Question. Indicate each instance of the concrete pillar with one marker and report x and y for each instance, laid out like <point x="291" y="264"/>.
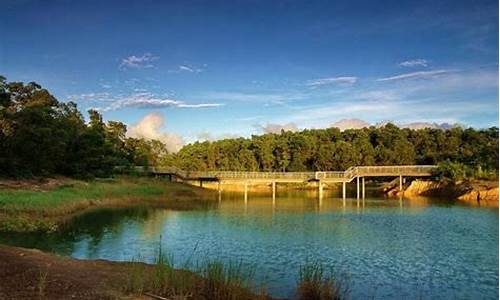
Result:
<point x="357" y="187"/>
<point x="363" y="187"/>
<point x="219" y="190"/>
<point x="246" y="192"/>
<point x="274" y="190"/>
<point x="201" y="183"/>
<point x="343" y="193"/>
<point x="400" y="183"/>
<point x="320" y="189"/>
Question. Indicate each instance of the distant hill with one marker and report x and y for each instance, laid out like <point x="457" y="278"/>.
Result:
<point x="344" y="124"/>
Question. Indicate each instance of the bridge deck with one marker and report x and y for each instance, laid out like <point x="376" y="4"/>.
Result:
<point x="327" y="176"/>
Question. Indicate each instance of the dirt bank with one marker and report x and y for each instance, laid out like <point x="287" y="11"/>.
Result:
<point x="470" y="191"/>
<point x="32" y="274"/>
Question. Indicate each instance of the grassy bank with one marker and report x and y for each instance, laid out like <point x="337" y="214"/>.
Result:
<point x="43" y="209"/>
<point x="32" y="274"/>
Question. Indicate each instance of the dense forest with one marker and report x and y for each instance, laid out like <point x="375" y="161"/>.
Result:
<point x="456" y="150"/>
<point x="42" y="136"/>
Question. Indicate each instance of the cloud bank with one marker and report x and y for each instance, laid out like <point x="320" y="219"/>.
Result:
<point x="344" y="124"/>
<point x="149" y="128"/>
<point x="276" y="128"/>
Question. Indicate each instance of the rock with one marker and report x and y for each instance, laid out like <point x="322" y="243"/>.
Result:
<point x="490" y="194"/>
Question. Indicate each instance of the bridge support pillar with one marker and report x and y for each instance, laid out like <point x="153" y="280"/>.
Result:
<point x="363" y="187"/>
<point x="201" y="183"/>
<point x="400" y="183"/>
<point x="357" y="187"/>
<point x="320" y="189"/>
<point x="343" y="192"/>
<point x="274" y="190"/>
<point x="219" y="190"/>
<point x="246" y="192"/>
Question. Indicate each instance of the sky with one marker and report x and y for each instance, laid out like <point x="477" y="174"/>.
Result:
<point x="191" y="70"/>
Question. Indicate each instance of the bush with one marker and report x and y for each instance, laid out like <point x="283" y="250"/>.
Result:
<point x="457" y="171"/>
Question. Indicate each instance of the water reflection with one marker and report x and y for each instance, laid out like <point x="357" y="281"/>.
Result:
<point x="390" y="248"/>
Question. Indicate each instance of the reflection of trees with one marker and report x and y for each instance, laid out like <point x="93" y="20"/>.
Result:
<point x="97" y="223"/>
<point x="91" y="226"/>
<point x="153" y="226"/>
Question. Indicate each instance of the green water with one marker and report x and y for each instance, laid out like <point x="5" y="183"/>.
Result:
<point x="381" y="248"/>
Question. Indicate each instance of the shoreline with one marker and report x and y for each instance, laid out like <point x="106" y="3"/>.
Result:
<point x="33" y="274"/>
<point x="35" y="205"/>
<point x="35" y="213"/>
<point x="476" y="191"/>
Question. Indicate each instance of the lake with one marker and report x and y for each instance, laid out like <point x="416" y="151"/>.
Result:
<point x="382" y="248"/>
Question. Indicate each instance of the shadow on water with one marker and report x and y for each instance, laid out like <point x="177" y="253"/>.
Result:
<point x="93" y="224"/>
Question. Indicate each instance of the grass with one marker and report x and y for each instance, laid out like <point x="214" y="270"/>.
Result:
<point x="210" y="280"/>
<point x="215" y="280"/>
<point x="41" y="284"/>
<point x="27" y="211"/>
<point x="317" y="284"/>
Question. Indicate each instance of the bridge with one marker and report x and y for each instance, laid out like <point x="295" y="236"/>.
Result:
<point x="357" y="173"/>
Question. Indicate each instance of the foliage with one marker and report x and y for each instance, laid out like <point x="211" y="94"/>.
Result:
<point x="41" y="136"/>
<point x="458" y="171"/>
<point x="332" y="150"/>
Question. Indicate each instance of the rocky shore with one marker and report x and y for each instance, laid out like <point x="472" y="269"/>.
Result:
<point x="469" y="191"/>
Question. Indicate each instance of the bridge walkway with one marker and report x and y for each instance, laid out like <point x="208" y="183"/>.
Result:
<point x="357" y="172"/>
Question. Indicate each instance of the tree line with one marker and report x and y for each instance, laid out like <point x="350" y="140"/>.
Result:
<point x="42" y="136"/>
<point x="331" y="149"/>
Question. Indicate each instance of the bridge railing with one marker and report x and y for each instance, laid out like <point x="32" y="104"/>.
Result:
<point x="265" y="175"/>
<point x="392" y="170"/>
<point x="349" y="174"/>
<point x="329" y="175"/>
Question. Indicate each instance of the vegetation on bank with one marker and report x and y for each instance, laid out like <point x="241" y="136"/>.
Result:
<point x="456" y="171"/>
<point x="42" y="136"/>
<point x="215" y="280"/>
<point x="25" y="210"/>
<point x="33" y="274"/>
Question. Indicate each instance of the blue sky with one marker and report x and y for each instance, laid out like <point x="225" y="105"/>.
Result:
<point x="230" y="68"/>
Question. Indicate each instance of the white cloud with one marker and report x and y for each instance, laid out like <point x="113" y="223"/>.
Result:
<point x="207" y="136"/>
<point x="350" y="124"/>
<point x="190" y="69"/>
<point x="332" y="80"/>
<point x="146" y="101"/>
<point x="266" y="98"/>
<point x="414" y="63"/>
<point x="98" y="97"/>
<point x="137" y="100"/>
<point x="276" y="128"/>
<point x="358" y="124"/>
<point x="138" y="62"/>
<point x="416" y="75"/>
<point x="149" y="128"/>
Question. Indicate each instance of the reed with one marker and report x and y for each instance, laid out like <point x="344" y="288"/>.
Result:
<point x="317" y="284"/>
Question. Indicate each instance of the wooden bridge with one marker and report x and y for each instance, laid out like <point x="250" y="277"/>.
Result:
<point x="359" y="173"/>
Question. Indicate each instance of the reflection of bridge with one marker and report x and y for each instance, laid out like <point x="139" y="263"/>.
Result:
<point x="358" y="173"/>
